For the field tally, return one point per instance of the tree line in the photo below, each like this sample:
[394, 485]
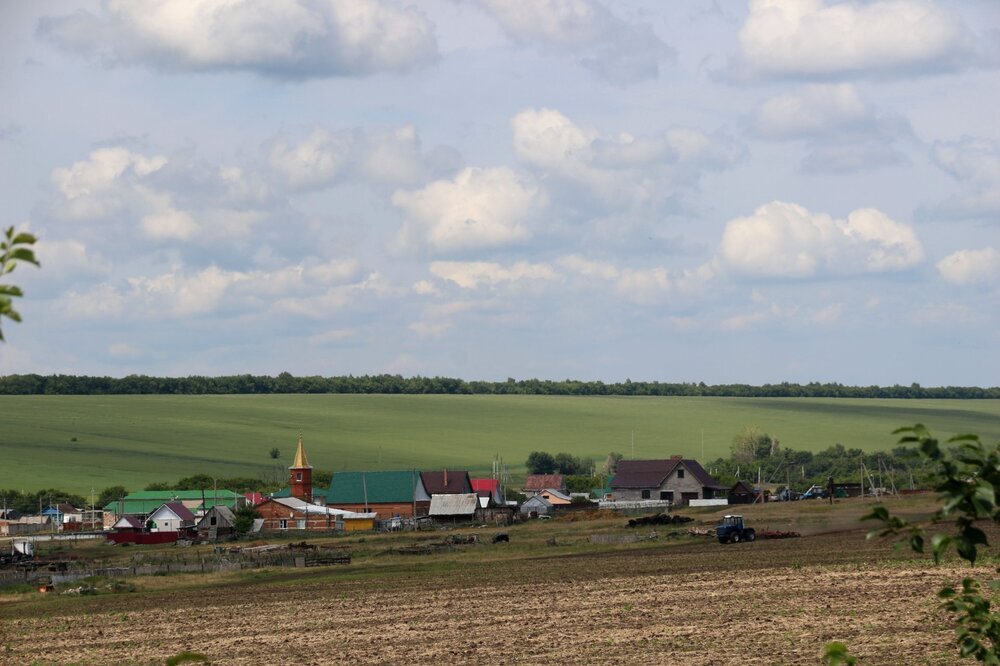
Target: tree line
[34, 384]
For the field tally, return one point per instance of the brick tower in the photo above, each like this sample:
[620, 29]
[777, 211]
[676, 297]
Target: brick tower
[300, 475]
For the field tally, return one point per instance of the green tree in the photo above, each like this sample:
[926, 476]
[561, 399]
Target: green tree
[968, 482]
[540, 462]
[109, 495]
[13, 250]
[243, 519]
[274, 453]
[752, 444]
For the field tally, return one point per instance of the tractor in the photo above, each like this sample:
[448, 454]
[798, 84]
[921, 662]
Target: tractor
[732, 530]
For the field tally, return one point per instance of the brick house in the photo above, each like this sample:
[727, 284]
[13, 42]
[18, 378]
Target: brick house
[292, 513]
[676, 479]
[389, 494]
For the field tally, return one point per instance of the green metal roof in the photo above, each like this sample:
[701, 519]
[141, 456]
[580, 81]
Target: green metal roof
[147, 501]
[372, 487]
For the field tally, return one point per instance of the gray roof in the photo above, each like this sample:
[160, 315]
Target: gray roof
[453, 505]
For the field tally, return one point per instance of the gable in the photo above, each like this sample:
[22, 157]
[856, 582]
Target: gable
[447, 482]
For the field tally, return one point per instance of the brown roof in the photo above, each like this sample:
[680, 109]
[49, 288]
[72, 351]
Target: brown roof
[179, 510]
[543, 481]
[651, 473]
[450, 482]
[741, 488]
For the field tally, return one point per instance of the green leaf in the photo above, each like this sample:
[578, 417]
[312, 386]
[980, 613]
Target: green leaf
[939, 544]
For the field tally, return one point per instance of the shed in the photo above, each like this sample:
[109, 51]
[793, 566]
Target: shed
[536, 506]
[216, 523]
[453, 508]
[127, 524]
[741, 493]
[554, 497]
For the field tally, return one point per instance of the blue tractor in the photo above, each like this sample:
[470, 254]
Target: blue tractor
[732, 530]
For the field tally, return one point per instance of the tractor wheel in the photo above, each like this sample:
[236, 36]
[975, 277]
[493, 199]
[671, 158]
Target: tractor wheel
[735, 538]
[751, 535]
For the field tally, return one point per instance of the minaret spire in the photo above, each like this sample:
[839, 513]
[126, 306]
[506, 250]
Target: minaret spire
[301, 462]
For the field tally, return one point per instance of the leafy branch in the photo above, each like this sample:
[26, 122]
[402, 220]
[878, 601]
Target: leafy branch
[968, 482]
[13, 250]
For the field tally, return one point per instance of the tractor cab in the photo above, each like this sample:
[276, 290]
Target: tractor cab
[732, 530]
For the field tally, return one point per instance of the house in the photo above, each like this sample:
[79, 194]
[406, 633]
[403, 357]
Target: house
[536, 506]
[170, 517]
[678, 480]
[9, 514]
[554, 497]
[454, 507]
[446, 483]
[217, 523]
[389, 494]
[535, 483]
[62, 513]
[292, 513]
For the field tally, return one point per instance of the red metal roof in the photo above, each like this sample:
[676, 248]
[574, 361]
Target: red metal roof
[489, 485]
[179, 510]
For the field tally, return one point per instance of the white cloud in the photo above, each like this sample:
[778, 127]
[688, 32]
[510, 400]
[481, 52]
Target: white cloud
[315, 161]
[478, 208]
[611, 48]
[471, 274]
[787, 240]
[814, 109]
[390, 155]
[818, 38]
[971, 267]
[277, 38]
[974, 162]
[164, 199]
[843, 131]
[619, 170]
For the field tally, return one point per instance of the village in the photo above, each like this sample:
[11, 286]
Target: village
[385, 501]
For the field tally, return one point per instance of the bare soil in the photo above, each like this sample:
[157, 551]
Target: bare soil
[768, 602]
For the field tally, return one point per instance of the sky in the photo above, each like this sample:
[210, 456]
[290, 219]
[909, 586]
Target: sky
[694, 190]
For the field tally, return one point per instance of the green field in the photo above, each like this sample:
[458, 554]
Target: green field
[83, 442]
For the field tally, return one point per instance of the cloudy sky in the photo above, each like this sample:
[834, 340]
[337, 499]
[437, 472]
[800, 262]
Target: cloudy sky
[781, 190]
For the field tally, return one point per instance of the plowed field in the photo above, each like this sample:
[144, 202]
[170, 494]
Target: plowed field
[697, 603]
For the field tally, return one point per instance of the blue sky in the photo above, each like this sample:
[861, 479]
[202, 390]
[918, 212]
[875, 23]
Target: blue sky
[687, 191]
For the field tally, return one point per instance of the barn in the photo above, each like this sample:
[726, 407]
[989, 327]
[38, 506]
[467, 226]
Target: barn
[216, 524]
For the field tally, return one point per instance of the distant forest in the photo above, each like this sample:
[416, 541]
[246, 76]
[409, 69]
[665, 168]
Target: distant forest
[286, 383]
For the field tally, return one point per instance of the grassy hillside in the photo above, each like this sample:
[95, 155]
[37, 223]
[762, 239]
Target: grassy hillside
[80, 442]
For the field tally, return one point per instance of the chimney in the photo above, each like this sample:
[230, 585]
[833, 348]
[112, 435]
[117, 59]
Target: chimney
[676, 457]
[446, 478]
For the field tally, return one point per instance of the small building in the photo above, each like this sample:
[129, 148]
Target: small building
[143, 503]
[741, 493]
[454, 508]
[677, 480]
[536, 506]
[217, 523]
[535, 483]
[127, 524]
[393, 494]
[171, 517]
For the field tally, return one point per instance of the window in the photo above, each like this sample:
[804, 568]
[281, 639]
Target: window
[666, 495]
[298, 476]
[283, 524]
[212, 521]
[645, 494]
[680, 473]
[302, 524]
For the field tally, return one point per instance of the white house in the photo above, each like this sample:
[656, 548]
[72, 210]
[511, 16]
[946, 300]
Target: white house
[171, 517]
